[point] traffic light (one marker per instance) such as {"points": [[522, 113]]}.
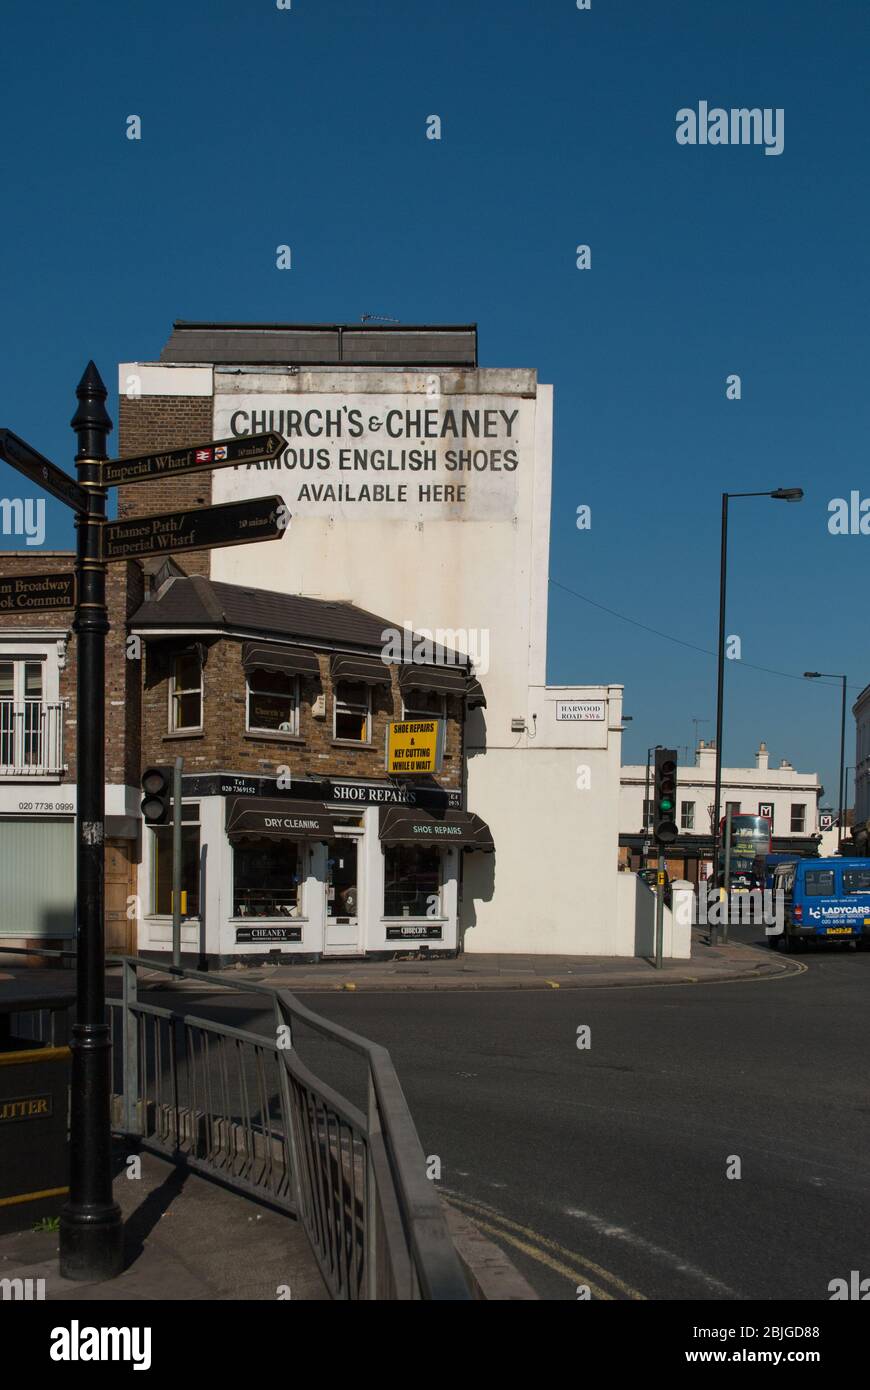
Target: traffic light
{"points": [[157, 786], [665, 796]]}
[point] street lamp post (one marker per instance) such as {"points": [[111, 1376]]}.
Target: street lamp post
{"points": [[830, 675], [782, 494]]}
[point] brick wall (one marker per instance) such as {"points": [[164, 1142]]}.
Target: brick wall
{"points": [[148, 424], [17, 562], [124, 591], [226, 746]]}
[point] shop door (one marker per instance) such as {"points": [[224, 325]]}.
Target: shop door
{"points": [[342, 897], [119, 888]]}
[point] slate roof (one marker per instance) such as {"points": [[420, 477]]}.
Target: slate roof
{"points": [[204, 605], [324, 344]]}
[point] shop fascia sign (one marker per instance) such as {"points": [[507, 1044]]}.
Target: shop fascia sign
{"points": [[355, 793]]}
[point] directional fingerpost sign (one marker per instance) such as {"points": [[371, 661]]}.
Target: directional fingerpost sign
{"points": [[216, 453], [18, 454], [414, 745], [235, 523], [30, 593]]}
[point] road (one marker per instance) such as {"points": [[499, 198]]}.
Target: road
{"points": [[607, 1166]]}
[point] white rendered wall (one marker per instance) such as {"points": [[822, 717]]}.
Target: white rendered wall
{"points": [[479, 566], [550, 801]]}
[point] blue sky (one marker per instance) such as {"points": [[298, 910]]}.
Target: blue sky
{"points": [[307, 127]]}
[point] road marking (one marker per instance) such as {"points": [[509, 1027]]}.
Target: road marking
{"points": [[606, 1228], [541, 1248], [572, 1275]]}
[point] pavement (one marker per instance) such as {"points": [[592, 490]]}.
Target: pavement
{"points": [[185, 1238], [735, 960]]}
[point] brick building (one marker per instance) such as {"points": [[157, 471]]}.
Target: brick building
{"points": [[279, 707], [294, 837], [38, 718]]}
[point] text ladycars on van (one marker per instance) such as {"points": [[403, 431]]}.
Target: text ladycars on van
{"points": [[824, 900]]}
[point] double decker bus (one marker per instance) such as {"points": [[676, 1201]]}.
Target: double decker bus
{"points": [[751, 842]]}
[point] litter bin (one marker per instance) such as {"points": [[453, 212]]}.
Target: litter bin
{"points": [[34, 1099]]}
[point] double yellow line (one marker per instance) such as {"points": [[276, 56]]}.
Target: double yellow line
{"points": [[576, 1268]]}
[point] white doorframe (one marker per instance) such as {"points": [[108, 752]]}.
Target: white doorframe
{"points": [[341, 932]]}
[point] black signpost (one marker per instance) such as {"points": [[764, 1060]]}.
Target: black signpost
{"points": [[90, 1223], [233, 523], [216, 453], [37, 593], [26, 460]]}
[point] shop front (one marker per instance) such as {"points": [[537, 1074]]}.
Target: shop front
{"points": [[331, 868]]}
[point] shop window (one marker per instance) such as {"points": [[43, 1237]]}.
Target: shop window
{"points": [[798, 817], [687, 815], [352, 711], [273, 702], [185, 692], [161, 896], [424, 704], [267, 875], [412, 881]]}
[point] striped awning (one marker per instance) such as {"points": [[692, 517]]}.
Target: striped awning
{"points": [[266, 656], [474, 696], [402, 825], [441, 680], [368, 669], [277, 818]]}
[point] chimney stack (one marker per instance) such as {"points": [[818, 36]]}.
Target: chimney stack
{"points": [[761, 758]]}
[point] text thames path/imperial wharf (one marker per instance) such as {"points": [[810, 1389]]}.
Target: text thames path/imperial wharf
{"points": [[398, 428]]}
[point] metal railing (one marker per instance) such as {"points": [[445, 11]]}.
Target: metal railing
{"points": [[31, 738], [243, 1108]]}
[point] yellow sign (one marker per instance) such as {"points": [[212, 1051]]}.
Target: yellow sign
{"points": [[413, 746]]}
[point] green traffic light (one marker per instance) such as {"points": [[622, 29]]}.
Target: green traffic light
{"points": [[666, 805]]}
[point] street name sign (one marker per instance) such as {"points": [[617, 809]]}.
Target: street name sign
{"points": [[30, 593], [19, 455], [216, 453], [235, 523], [414, 745]]}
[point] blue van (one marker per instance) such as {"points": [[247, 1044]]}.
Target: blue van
{"points": [[768, 869], [824, 900]]}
